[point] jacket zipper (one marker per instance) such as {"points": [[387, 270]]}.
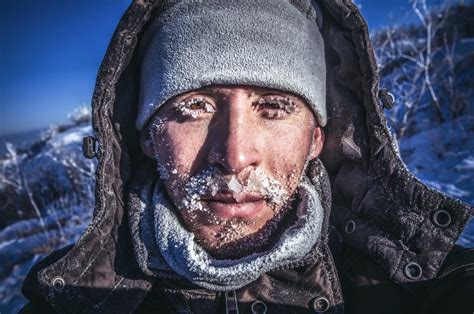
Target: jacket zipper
{"points": [[231, 306]]}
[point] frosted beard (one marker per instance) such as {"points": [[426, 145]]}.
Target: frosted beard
{"points": [[164, 247], [234, 237]]}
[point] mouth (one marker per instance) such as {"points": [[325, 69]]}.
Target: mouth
{"points": [[235, 205]]}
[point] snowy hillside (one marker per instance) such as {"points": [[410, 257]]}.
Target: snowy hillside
{"points": [[46, 201]]}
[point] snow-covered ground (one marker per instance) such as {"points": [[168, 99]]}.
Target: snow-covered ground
{"points": [[47, 198], [443, 157]]}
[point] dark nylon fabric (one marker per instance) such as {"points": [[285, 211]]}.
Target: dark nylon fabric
{"points": [[391, 211]]}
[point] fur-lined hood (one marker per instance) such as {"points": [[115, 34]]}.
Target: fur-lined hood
{"points": [[378, 206]]}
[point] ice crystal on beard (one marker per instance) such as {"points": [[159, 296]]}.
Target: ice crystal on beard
{"points": [[274, 191], [234, 185], [196, 187], [214, 189], [231, 231]]}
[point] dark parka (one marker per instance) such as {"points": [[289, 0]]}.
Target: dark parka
{"points": [[388, 246]]}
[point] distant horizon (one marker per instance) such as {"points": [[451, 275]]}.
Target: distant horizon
{"points": [[20, 139], [40, 129], [52, 50]]}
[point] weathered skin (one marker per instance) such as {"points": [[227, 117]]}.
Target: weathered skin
{"points": [[240, 132], [391, 253]]}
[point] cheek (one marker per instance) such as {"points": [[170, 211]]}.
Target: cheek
{"points": [[288, 153], [179, 145]]}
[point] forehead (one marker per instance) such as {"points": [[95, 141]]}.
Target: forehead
{"points": [[249, 90], [224, 88]]}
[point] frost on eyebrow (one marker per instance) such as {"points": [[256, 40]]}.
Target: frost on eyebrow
{"points": [[185, 107]]}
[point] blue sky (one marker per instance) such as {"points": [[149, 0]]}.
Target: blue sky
{"points": [[51, 50]]}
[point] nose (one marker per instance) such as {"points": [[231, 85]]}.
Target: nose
{"points": [[238, 146]]}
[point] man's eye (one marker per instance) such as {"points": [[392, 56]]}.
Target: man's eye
{"points": [[275, 107], [194, 107], [197, 105]]}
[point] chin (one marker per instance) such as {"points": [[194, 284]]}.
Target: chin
{"points": [[236, 238]]}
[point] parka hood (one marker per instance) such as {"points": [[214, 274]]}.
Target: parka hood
{"points": [[378, 206]]}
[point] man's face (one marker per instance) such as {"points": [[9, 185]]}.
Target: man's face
{"points": [[231, 158]]}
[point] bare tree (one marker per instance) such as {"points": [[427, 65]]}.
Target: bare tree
{"points": [[417, 65], [426, 54]]}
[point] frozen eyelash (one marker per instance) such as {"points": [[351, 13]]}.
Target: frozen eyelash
{"points": [[184, 107], [283, 103]]}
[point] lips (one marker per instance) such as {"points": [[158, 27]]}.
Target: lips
{"points": [[232, 205]]}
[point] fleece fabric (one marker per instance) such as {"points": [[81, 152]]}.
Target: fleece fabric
{"points": [[273, 43], [162, 244]]}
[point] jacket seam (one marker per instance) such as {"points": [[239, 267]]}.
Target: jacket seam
{"points": [[465, 267]]}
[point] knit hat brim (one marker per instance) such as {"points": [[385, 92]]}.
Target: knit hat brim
{"points": [[261, 43]]}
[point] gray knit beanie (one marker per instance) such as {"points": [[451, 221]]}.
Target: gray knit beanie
{"points": [[267, 43]]}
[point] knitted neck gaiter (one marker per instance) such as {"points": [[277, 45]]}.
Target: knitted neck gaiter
{"points": [[162, 245]]}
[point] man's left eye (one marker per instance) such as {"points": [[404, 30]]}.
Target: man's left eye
{"points": [[275, 107]]}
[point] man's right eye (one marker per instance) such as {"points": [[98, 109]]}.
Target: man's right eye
{"points": [[194, 107]]}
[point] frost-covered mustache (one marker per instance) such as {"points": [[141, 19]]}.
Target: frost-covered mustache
{"points": [[211, 181]]}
